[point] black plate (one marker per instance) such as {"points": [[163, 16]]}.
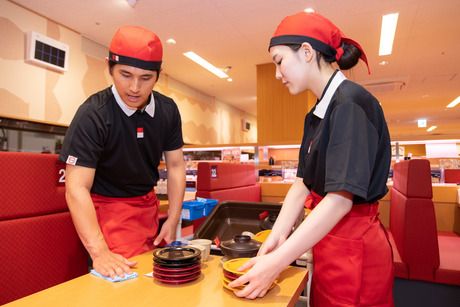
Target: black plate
{"points": [[175, 264], [176, 253]]}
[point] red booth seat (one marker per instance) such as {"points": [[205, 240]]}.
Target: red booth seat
{"points": [[452, 175], [39, 245], [228, 181], [420, 252]]}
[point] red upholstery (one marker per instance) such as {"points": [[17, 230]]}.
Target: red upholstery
{"points": [[39, 245], [449, 252], [227, 181], [419, 251], [30, 185], [401, 269], [452, 175], [226, 176], [249, 193], [412, 179], [413, 226]]}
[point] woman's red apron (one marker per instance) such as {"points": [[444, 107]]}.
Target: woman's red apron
{"points": [[129, 224], [353, 264]]}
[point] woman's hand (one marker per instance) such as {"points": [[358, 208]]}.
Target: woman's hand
{"points": [[111, 264], [271, 243], [263, 271]]}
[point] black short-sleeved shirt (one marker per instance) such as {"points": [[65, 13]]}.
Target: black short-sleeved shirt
{"points": [[124, 150], [349, 148]]}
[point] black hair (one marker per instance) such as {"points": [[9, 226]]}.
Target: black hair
{"points": [[112, 64], [350, 57]]}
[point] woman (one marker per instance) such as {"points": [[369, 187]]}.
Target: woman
{"points": [[343, 167]]}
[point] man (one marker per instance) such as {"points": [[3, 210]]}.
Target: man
{"points": [[112, 150]]}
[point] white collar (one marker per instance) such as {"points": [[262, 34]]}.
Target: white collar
{"points": [[149, 108], [321, 106]]}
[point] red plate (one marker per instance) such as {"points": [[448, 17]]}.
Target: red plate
{"points": [[176, 276], [162, 269], [230, 275], [177, 281]]}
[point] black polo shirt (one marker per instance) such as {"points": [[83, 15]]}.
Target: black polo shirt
{"points": [[346, 145], [124, 150]]}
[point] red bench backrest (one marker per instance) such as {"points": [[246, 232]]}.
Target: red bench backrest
{"points": [[39, 245]]}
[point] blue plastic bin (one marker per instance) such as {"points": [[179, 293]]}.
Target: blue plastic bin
{"points": [[209, 206], [192, 209]]}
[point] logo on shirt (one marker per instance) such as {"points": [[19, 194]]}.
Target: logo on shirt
{"points": [[140, 133], [71, 160]]}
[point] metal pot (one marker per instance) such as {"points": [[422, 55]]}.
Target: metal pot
{"points": [[240, 246]]}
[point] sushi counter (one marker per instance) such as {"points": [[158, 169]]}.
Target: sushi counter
{"points": [[206, 290]]}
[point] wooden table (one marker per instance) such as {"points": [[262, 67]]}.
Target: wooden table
{"points": [[89, 290]]}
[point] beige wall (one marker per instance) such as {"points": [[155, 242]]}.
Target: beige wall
{"points": [[32, 92], [206, 120]]}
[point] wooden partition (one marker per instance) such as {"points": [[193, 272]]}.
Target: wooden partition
{"points": [[280, 115]]}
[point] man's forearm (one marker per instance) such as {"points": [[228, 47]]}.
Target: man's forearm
{"points": [[85, 220], [176, 188]]}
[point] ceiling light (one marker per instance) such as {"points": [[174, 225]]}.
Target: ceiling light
{"points": [[205, 64], [383, 63], [421, 123], [309, 10], [455, 102], [387, 33], [229, 79], [431, 128], [171, 41]]}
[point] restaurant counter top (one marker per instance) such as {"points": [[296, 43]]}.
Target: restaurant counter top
{"points": [[207, 290]]}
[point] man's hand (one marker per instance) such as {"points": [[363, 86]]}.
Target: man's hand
{"points": [[168, 232], [111, 264]]}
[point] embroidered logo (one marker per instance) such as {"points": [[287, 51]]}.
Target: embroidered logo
{"points": [[140, 133], [71, 160]]}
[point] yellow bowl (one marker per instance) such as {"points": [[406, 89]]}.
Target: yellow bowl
{"points": [[232, 265], [262, 235], [225, 284]]}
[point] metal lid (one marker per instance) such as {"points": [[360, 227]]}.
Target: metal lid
{"points": [[241, 243]]}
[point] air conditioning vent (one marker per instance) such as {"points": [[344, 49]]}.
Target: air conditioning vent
{"points": [[384, 86], [46, 52]]}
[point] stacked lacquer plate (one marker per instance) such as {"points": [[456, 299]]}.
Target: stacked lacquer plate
{"points": [[230, 272], [176, 264]]}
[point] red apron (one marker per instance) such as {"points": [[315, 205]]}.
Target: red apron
{"points": [[129, 224], [353, 263]]}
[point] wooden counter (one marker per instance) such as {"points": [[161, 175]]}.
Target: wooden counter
{"points": [[445, 199], [89, 290]]}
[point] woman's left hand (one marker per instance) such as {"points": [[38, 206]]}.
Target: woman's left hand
{"points": [[263, 271]]}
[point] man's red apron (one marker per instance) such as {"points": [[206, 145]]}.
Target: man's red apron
{"points": [[353, 264], [129, 224]]}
